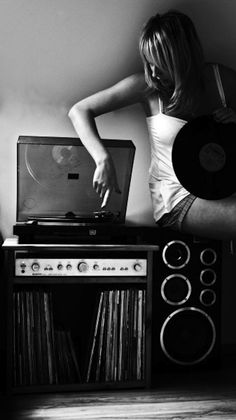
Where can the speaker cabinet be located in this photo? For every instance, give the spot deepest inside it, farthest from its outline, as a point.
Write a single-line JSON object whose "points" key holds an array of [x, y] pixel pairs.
{"points": [[186, 302]]}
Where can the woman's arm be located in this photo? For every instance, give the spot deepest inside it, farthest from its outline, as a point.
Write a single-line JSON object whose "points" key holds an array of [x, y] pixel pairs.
{"points": [[126, 92]]}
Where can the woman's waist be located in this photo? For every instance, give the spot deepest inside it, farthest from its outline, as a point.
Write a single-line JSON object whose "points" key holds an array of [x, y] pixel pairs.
{"points": [[162, 173]]}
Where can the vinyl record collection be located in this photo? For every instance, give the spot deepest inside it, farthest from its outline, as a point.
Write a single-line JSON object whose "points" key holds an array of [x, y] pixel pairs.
{"points": [[45, 353], [117, 350], [42, 354]]}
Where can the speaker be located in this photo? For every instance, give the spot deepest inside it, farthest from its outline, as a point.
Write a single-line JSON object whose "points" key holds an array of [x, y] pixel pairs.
{"points": [[186, 302]]}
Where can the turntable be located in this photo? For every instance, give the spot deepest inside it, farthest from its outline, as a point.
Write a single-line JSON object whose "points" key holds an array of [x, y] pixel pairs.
{"points": [[56, 201]]}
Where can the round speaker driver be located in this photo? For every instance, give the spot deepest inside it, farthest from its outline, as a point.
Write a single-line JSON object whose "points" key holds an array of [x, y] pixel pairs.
{"points": [[187, 336]]}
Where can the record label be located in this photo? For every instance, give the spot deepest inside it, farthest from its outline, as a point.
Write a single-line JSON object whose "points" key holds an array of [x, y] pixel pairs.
{"points": [[203, 158], [212, 157]]}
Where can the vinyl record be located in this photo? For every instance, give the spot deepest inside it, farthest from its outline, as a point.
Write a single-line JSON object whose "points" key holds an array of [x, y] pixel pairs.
{"points": [[203, 158]]}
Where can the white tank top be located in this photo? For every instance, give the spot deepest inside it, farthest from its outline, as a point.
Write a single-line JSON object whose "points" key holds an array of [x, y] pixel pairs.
{"points": [[165, 189]]}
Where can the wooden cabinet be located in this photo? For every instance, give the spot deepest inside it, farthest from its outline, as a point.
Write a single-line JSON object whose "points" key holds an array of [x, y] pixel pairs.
{"points": [[78, 317]]}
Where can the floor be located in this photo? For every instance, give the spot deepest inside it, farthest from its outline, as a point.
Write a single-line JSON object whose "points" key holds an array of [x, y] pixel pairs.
{"points": [[209, 395]]}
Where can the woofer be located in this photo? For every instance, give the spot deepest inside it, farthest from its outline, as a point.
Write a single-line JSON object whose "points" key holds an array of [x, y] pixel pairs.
{"points": [[187, 336]]}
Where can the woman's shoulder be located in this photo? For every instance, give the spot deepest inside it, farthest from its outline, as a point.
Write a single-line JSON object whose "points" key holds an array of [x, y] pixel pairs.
{"points": [[146, 96], [137, 78], [136, 82], [134, 87]]}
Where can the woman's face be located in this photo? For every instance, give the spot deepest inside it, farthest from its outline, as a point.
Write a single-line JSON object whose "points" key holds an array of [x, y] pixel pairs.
{"points": [[158, 74], [161, 75]]}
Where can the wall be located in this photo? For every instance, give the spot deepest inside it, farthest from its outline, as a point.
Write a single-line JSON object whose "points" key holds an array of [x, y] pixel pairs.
{"points": [[54, 52]]}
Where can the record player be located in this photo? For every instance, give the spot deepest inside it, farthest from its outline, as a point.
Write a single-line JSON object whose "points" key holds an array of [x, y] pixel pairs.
{"points": [[56, 201]]}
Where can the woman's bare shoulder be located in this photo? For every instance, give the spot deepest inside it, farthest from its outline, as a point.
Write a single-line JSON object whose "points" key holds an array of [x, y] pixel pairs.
{"points": [[128, 91], [135, 83], [138, 79]]}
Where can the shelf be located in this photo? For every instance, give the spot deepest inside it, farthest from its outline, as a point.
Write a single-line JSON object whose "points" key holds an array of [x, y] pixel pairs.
{"points": [[61, 323], [80, 280], [12, 243], [80, 387]]}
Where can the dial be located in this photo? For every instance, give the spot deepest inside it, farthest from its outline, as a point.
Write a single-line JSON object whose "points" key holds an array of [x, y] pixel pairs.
{"points": [[137, 267], [83, 267], [35, 266]]}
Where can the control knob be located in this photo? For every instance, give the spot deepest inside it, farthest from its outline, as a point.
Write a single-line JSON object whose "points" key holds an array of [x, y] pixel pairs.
{"points": [[35, 266], [137, 267], [83, 267]]}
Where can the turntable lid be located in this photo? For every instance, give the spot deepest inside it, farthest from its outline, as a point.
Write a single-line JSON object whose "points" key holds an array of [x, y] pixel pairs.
{"points": [[55, 177]]}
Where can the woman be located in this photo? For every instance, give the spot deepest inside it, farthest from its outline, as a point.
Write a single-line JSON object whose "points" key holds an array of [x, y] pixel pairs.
{"points": [[176, 86]]}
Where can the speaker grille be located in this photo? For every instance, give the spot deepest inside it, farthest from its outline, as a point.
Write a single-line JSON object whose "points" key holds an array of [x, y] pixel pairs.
{"points": [[186, 303]]}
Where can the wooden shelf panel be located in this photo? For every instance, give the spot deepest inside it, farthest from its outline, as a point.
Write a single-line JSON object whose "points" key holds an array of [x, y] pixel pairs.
{"points": [[79, 280], [78, 387]]}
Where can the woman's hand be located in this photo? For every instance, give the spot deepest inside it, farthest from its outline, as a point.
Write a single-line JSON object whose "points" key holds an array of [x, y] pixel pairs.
{"points": [[224, 115], [105, 180]]}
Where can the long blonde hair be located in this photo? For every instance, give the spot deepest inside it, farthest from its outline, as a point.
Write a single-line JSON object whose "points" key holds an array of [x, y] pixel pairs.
{"points": [[170, 43]]}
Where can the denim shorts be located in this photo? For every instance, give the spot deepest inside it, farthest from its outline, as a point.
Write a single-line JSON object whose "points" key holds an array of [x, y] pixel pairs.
{"points": [[175, 217]]}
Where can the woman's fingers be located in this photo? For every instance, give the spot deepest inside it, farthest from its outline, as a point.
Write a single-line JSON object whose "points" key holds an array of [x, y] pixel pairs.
{"points": [[105, 181]]}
